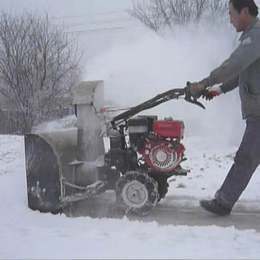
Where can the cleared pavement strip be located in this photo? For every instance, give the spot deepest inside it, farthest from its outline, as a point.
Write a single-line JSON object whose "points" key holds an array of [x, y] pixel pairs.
{"points": [[104, 206]]}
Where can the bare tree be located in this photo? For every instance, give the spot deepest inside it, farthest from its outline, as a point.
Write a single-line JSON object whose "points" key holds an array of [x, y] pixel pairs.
{"points": [[159, 14], [39, 64], [150, 15]]}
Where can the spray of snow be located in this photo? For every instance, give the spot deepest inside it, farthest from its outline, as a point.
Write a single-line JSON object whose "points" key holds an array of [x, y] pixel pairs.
{"points": [[50, 126], [137, 70]]}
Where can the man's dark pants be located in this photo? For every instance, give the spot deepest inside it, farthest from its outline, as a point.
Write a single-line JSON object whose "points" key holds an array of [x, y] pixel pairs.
{"points": [[246, 161]]}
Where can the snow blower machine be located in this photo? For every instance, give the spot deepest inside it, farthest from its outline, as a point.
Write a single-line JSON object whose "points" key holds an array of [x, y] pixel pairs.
{"points": [[71, 165]]}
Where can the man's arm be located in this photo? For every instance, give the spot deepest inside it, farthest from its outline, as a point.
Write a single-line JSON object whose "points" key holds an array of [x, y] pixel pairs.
{"points": [[197, 89], [224, 88], [229, 84]]}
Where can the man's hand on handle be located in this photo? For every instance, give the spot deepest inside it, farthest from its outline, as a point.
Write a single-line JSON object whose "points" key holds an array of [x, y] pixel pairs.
{"points": [[198, 89]]}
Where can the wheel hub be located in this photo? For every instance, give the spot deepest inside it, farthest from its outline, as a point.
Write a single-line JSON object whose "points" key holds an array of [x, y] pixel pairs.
{"points": [[135, 194]]}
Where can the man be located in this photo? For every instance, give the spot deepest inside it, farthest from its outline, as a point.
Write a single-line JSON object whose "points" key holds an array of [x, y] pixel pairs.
{"points": [[241, 69]]}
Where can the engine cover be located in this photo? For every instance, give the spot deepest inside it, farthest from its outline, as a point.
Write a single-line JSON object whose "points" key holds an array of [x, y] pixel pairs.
{"points": [[162, 156]]}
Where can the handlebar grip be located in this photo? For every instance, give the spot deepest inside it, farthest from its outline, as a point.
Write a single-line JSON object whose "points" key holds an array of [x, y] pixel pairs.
{"points": [[188, 97]]}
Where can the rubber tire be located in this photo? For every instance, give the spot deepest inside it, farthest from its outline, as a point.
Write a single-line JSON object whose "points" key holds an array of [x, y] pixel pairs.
{"points": [[151, 188]]}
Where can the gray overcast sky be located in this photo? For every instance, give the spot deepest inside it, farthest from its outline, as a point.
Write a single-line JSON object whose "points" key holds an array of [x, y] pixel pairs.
{"points": [[67, 7]]}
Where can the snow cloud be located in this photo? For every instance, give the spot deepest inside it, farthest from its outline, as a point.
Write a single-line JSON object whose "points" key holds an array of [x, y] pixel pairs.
{"points": [[138, 69]]}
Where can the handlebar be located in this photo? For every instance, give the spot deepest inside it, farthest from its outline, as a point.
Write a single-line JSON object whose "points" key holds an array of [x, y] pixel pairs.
{"points": [[160, 98]]}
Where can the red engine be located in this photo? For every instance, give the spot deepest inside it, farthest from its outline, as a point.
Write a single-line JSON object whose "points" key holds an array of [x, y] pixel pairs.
{"points": [[161, 148]]}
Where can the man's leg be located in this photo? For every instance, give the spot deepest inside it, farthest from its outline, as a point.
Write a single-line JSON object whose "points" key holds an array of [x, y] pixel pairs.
{"points": [[246, 161]]}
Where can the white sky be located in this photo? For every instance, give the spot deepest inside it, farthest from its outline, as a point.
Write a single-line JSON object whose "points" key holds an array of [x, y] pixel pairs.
{"points": [[67, 7], [98, 24]]}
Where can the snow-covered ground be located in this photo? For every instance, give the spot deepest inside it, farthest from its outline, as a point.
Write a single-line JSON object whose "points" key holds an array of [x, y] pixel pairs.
{"points": [[27, 234]]}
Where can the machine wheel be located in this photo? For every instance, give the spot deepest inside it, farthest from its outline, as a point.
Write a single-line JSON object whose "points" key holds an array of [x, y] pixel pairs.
{"points": [[138, 192]]}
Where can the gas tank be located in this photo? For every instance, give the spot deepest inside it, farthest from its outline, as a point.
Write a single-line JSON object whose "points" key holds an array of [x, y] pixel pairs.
{"points": [[168, 128]]}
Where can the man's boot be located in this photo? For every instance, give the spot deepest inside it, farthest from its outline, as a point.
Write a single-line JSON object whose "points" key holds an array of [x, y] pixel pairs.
{"points": [[215, 207]]}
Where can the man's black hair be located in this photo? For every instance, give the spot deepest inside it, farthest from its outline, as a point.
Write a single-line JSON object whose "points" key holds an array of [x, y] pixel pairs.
{"points": [[250, 4]]}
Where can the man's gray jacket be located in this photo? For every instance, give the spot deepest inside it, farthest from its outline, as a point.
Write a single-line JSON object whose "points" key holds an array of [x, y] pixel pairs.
{"points": [[242, 69]]}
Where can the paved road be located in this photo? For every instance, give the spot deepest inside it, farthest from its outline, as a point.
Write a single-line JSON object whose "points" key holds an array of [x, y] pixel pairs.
{"points": [[105, 207]]}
